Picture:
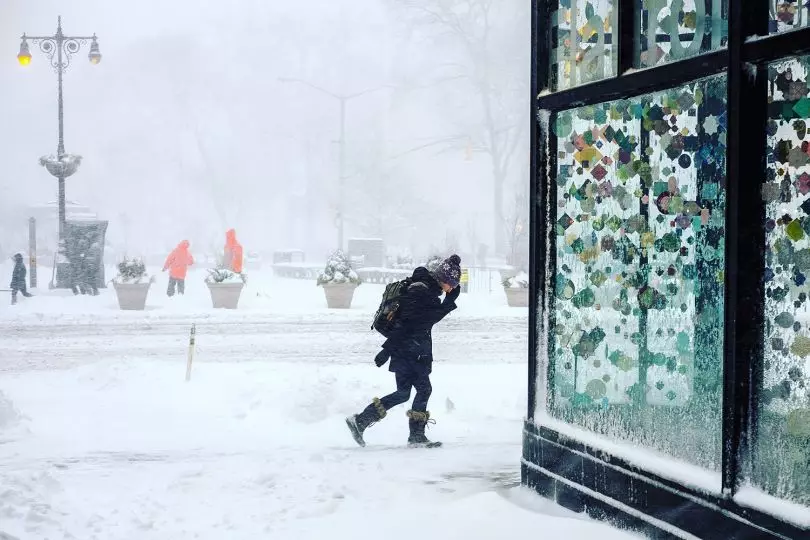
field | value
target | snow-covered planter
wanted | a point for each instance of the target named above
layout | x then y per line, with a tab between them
132	284
226	287
339	280
61	166
517	290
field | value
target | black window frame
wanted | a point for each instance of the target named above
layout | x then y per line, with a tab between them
749	51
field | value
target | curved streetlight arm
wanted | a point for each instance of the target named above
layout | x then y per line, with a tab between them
64	38
313	86
369	91
341	97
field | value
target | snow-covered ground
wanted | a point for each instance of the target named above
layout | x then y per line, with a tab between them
102	438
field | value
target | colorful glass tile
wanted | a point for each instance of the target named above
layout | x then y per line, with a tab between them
584	48
782	464
676	29
786	15
647	265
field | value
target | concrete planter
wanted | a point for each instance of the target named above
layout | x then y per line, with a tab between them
225	295
339	295
131	296
517	297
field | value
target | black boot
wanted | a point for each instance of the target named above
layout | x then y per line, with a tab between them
358	423
417	421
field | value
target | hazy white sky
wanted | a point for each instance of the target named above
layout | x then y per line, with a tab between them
186	130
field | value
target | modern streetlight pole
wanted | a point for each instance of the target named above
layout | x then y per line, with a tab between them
59	49
342	99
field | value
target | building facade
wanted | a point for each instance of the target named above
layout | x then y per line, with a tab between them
669	383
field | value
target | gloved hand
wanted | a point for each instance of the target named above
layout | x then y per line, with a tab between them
381	358
452	295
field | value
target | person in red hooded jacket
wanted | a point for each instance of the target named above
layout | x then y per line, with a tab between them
177	264
233	252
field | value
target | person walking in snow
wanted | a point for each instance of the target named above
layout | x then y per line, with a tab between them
18	276
177	264
410	348
84	269
233	252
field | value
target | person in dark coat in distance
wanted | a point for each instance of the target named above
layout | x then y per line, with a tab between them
410	348
82	267
18	279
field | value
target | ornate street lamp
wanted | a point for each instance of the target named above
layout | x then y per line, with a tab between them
25	54
59	49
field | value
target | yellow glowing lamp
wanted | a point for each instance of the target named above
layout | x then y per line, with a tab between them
95	55
24	58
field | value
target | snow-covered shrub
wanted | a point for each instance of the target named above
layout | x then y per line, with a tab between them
338	270
433	263
223	275
520	281
132	271
403	262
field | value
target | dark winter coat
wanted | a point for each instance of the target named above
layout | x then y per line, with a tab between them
19	273
411	342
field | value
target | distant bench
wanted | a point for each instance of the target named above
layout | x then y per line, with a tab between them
311	271
382	275
297	270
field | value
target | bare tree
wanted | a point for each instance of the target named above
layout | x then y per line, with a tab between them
516	230
383	202
488	55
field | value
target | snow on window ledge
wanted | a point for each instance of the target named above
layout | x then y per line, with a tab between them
764	502
698	478
674	531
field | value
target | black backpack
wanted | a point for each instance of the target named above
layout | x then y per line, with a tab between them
385	318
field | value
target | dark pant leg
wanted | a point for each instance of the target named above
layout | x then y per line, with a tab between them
170	290
181	286
13	296
423	391
403	393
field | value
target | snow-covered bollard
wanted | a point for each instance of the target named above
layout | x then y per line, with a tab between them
226	287
191	340
517	290
339	281
132	284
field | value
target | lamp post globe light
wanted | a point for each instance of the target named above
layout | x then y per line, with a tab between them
59	49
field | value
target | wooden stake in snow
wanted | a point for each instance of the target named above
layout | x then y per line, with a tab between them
190	351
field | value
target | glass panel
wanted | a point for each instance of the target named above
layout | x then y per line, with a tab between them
788	14
677	29
782	457
588	53
636	330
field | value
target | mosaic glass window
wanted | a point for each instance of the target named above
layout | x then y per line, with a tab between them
677	29
782	457
584	43
788	14
636	329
